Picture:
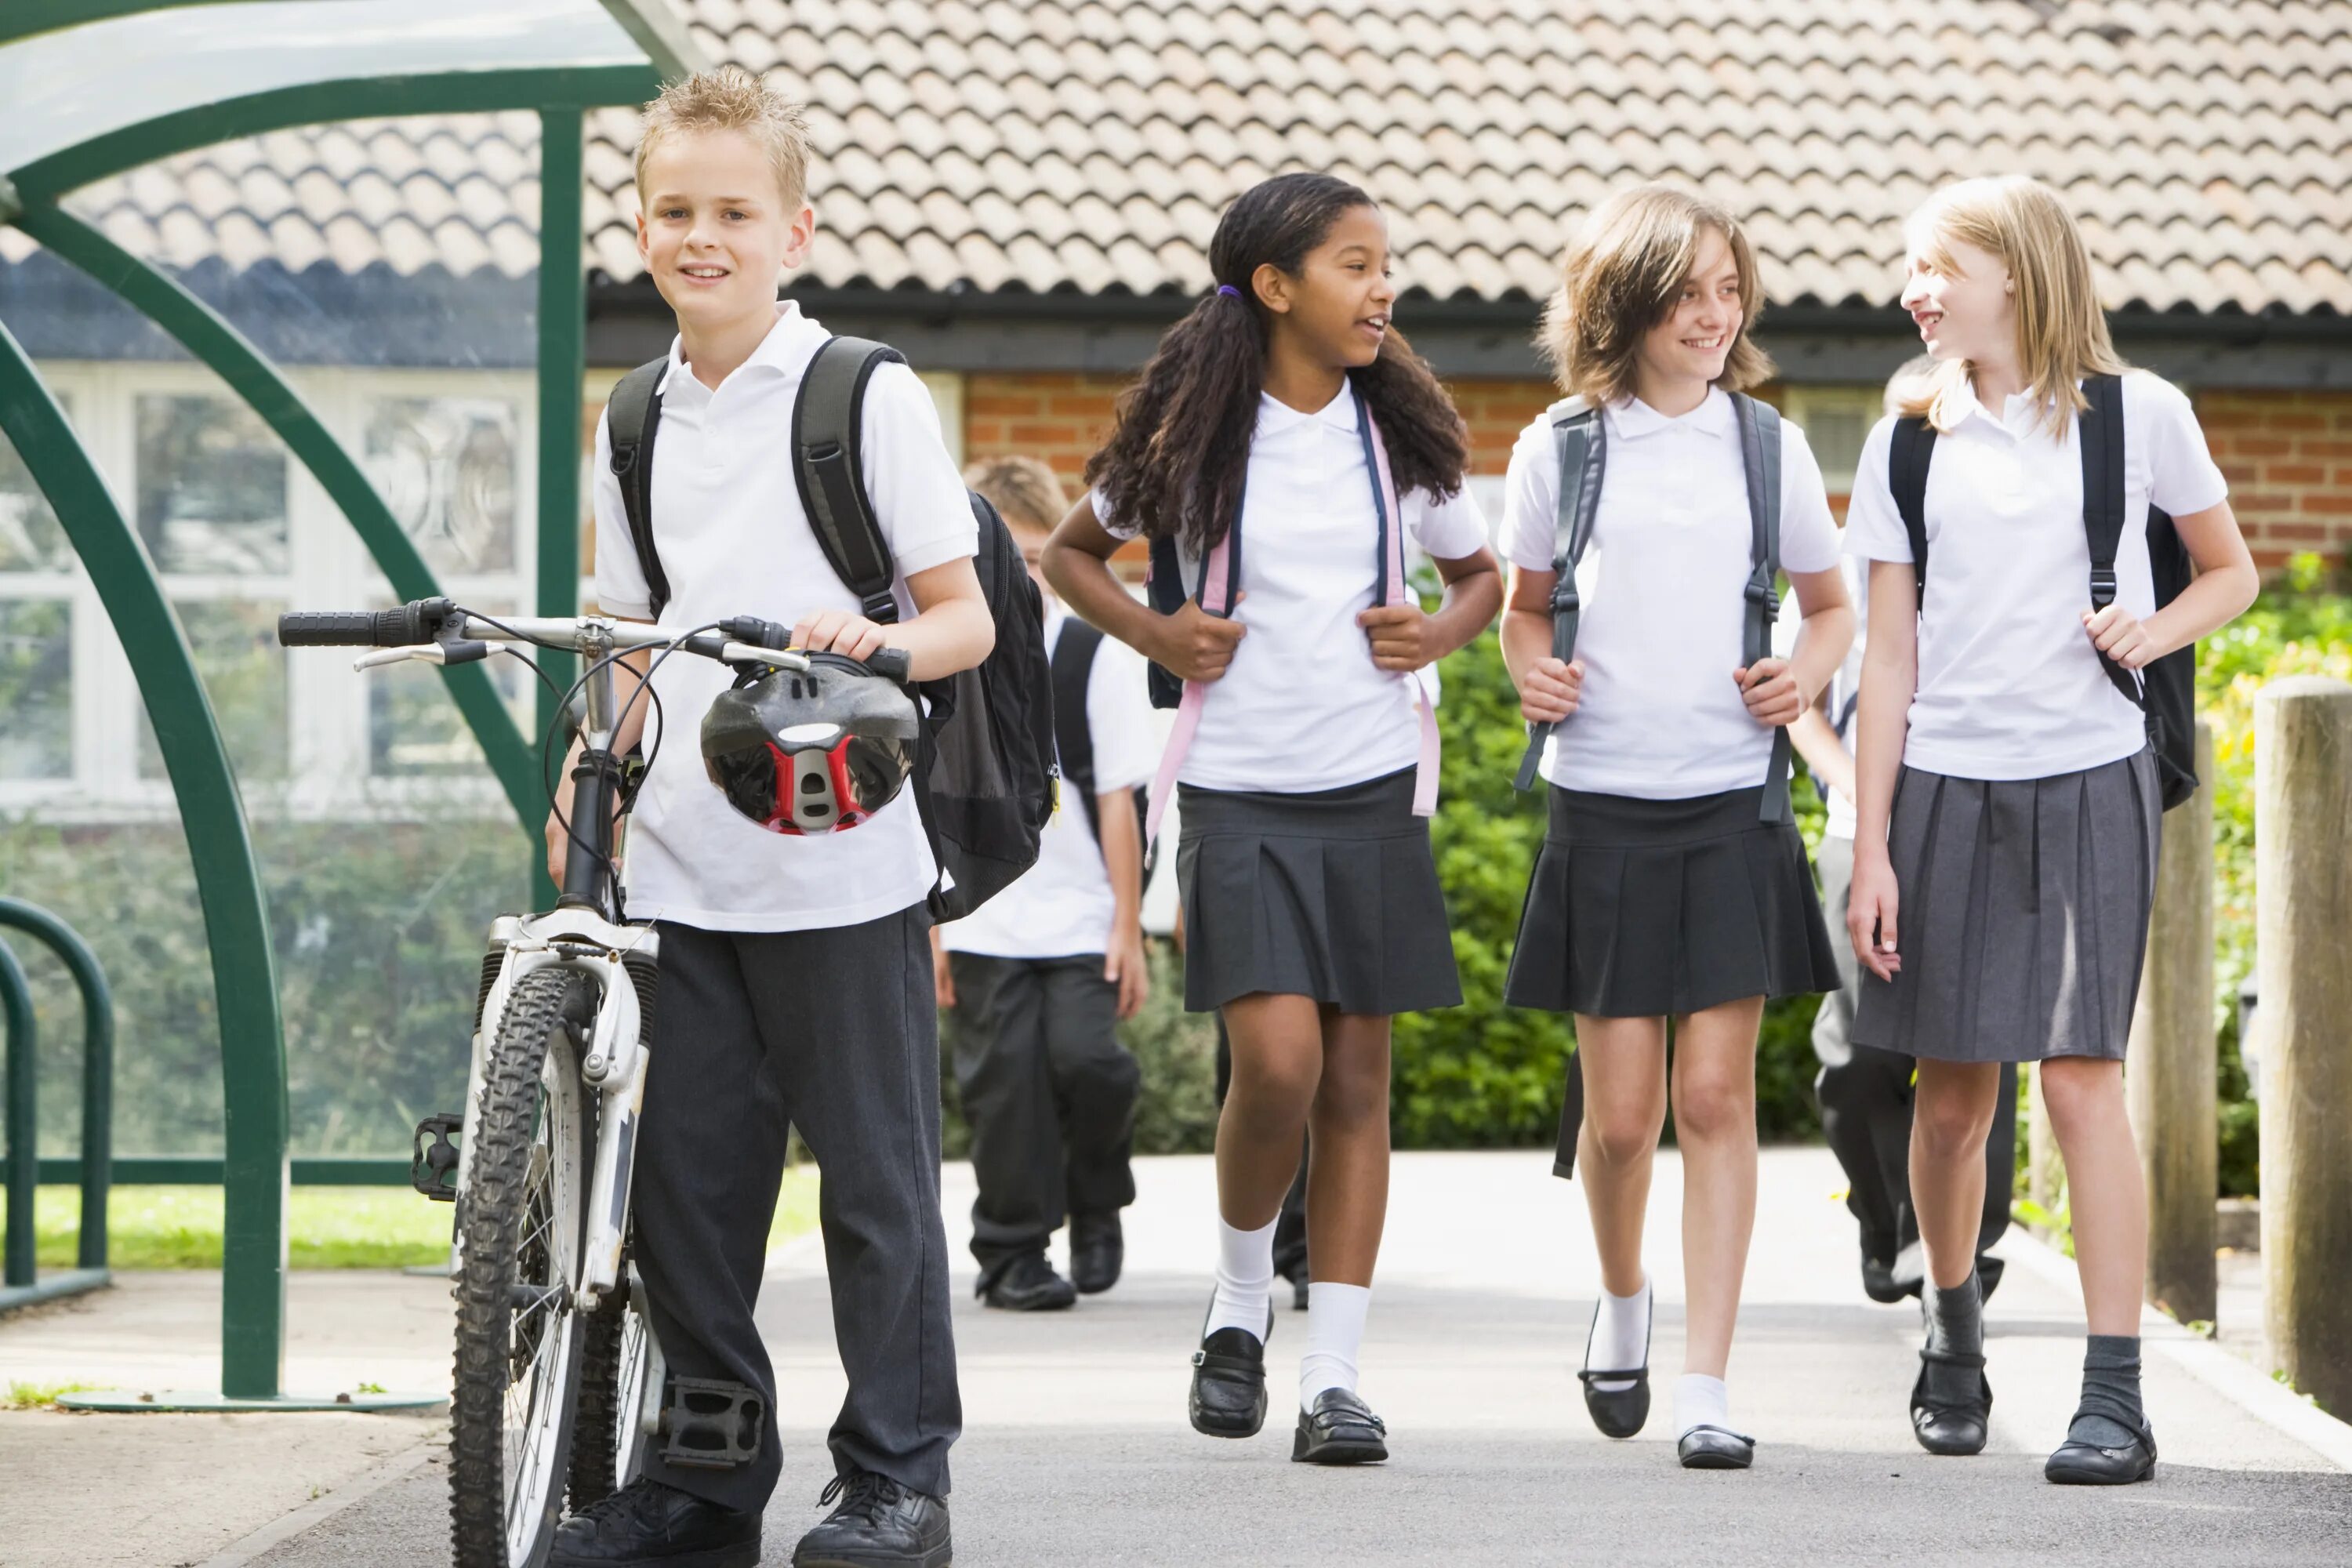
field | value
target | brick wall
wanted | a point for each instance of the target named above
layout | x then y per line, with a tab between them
2288	457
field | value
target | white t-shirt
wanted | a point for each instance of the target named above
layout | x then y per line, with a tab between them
1063	905
734	541
2010	684
1663	583
1845	686
1303	707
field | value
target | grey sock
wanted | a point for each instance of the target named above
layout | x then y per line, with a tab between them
1955	1316
2110	1415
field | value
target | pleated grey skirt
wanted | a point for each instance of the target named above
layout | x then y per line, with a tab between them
2022	914
1331	895
1646	909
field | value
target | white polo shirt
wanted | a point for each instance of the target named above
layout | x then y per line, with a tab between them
2010	684
1303	707
1063	905
734	541
1663	583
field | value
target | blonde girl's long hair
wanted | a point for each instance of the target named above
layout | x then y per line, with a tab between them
2061	332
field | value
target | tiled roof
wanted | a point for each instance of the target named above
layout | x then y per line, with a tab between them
1087	145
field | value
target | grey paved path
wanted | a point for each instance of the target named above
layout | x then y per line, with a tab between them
1076	1451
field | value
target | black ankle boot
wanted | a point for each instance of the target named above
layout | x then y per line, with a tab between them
647	1523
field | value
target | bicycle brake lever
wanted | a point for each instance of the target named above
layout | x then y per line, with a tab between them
463	651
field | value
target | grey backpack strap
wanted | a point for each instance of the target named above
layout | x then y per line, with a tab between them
829	469
1582	441
1760	455
632	415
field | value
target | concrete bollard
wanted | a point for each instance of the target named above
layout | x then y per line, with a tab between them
2168	1075
2303	918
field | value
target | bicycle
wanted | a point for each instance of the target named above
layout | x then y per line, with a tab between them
559	1388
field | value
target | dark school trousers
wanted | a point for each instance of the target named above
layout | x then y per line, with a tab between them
1290	1225
834	1032
1049	1093
1866	1100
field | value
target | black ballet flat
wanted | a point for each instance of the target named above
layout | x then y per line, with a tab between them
1228	1398
1716	1449
1618	1413
2088	1465
1340	1430
1945	1424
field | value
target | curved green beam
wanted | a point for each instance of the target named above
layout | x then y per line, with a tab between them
361	98
96	1067
204	334
228	883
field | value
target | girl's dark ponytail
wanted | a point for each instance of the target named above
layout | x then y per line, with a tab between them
1179	447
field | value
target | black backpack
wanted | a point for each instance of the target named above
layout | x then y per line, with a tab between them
1582	437
2165	691
1074	666
984	776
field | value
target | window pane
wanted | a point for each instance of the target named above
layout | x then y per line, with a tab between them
243	671
414	726
446	466
30	538
211	487
36	689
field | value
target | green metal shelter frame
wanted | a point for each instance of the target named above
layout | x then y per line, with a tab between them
185	74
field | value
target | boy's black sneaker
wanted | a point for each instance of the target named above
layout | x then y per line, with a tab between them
877	1523
1027	1284
647	1525
1097	1251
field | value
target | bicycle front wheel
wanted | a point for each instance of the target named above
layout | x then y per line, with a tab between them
522	1222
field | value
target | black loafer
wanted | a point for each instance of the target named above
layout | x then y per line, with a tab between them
1619	1412
1946	1415
1228	1398
1878	1281
1340	1430
647	1522
1097	1252
1716	1449
1027	1284
2089	1465
877	1523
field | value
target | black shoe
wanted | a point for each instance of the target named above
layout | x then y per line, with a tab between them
1340	1430
1097	1252
1951	1402
2089	1465
647	1525
1988	1272
1622	1412
878	1524
1715	1449
1878	1279
1228	1397
1298	1291
1027	1284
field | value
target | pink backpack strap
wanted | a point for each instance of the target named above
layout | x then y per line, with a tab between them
1424	700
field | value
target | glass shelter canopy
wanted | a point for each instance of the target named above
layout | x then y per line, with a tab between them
95	88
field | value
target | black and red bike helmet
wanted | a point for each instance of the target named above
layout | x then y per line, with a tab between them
811	752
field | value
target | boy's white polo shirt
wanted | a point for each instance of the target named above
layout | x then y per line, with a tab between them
734	541
1663	583
2010	686
1062	906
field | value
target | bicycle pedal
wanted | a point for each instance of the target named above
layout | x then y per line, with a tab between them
434	1171
712	1425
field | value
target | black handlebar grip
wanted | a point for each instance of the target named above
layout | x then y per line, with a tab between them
326	628
891	664
757	633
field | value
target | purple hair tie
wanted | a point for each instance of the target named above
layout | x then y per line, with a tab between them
1229	288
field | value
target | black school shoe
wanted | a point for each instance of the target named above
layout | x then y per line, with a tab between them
1027	1284
1228	1397
1878	1281
877	1523
2089	1465
1951	1403
1097	1251
1340	1430
1618	1413
1715	1449
647	1525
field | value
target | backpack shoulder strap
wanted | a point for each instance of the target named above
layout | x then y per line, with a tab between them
1907	457
829	469
1580	437
2100	432
1074	648
632	415
1759	456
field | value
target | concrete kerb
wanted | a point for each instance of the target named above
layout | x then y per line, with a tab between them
280	1531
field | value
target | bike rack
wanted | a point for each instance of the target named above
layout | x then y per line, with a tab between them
20	1284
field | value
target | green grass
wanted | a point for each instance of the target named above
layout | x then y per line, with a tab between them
40	1396
328	1228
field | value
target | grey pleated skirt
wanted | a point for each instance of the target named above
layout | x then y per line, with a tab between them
1646	909
2022	914
1331	895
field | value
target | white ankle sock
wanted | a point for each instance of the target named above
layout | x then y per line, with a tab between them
1335	1332
1244	1279
1700	1401
1621	1336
